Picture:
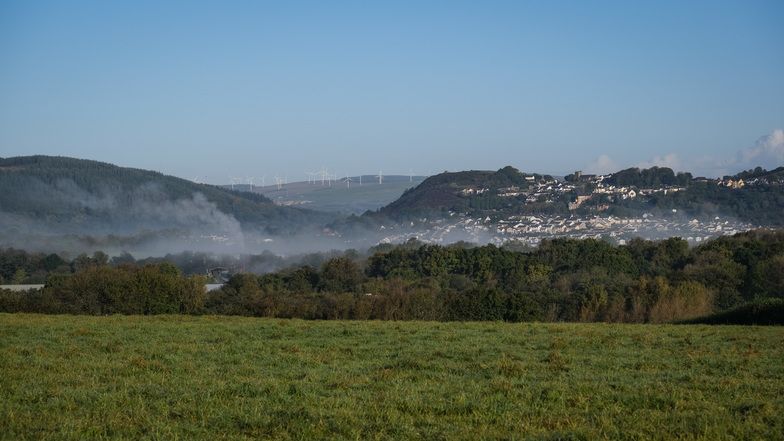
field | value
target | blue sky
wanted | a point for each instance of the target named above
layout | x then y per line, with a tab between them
213	89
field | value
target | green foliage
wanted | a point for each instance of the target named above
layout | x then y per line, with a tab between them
126	289
561	280
654	177
339	275
765	312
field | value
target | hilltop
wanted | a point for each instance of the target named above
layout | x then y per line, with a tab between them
755	196
465	191
46	197
509	205
360	194
58	203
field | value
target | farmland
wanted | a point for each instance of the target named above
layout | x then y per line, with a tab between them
165	377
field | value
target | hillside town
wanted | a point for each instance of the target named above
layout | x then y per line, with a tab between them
531	229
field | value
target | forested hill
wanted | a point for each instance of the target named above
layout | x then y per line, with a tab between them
755	196
462	191
83	196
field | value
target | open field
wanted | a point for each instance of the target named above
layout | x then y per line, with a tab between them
167	377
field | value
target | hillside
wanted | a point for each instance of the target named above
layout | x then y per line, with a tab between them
466	191
46	196
65	204
753	196
361	194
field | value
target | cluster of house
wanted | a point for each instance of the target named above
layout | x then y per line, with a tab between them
530	230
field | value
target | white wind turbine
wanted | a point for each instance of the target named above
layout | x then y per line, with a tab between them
410	175
278	181
231	181
348	181
196	180
250	182
324	175
380	177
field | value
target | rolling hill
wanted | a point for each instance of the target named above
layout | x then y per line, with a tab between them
50	198
358	196
59	203
755	196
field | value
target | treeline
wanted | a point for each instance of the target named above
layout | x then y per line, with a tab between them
100	289
561	280
654	177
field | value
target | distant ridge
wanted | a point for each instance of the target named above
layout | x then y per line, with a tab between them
46	199
62	196
755	196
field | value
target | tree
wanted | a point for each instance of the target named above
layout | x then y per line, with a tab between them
339	275
520	307
19	277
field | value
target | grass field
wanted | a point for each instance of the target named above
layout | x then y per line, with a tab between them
180	377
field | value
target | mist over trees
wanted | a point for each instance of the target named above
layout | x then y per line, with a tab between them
74	202
54	201
561	280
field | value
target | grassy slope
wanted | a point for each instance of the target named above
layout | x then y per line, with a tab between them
69	377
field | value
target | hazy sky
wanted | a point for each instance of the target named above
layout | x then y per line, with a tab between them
213	89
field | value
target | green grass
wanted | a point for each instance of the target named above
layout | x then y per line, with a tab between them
170	377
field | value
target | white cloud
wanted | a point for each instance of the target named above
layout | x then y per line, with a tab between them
603	165
670	160
767	152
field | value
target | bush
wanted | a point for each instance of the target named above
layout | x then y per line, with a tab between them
766	313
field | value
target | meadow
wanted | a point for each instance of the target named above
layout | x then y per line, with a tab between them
185	377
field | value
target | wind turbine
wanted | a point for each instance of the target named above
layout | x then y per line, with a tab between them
250	182
348	181
278	181
196	180
262	180
324	174
231	179
410	175
380	177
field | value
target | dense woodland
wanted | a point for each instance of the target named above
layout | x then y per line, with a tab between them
561	280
